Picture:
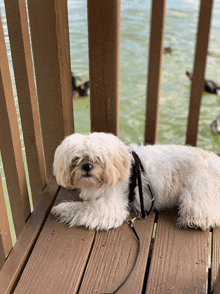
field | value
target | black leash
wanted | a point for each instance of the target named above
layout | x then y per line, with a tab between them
136	175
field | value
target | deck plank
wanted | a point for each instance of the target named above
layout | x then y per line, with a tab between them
19	255
59	257
180	258
113	256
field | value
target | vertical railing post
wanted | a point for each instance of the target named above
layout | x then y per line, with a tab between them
104	64
158	15
2	255
10	144
28	105
4	226
197	87
50	43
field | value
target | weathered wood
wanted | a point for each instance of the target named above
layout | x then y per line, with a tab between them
113	257
104	64
4	225
24	77
215	256
180	258
59	257
17	259
158	16
50	43
197	87
11	145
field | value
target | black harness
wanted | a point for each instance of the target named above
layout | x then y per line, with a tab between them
135	179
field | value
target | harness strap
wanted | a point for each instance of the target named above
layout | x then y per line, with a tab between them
138	166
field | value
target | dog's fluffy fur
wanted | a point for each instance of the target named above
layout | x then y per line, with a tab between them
99	165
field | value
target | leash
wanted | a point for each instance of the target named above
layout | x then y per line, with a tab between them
143	215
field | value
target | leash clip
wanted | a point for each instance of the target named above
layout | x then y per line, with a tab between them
131	221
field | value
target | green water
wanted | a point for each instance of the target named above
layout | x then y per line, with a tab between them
180	34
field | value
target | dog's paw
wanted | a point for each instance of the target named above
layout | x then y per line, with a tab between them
66	211
88	214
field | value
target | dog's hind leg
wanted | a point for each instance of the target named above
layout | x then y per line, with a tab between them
194	211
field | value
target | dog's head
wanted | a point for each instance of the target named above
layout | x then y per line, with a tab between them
91	162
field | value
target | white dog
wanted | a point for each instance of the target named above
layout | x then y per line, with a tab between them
100	165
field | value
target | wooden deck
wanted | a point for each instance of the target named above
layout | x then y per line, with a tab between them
50	258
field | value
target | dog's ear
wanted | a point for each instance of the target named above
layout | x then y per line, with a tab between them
60	169
117	165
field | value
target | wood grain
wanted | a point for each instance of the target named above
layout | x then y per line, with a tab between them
104	64
50	43
197	87
113	256
18	257
180	258
28	105
10	144
59	257
158	16
4	224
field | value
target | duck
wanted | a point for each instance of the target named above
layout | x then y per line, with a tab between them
215	126
209	86
167	50
81	90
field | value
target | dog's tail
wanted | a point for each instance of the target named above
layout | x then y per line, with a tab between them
216	286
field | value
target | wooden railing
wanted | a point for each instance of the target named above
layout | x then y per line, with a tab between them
47	114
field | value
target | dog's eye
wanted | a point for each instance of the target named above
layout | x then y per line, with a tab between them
98	160
76	159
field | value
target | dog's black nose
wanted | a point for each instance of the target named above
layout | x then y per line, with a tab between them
87	167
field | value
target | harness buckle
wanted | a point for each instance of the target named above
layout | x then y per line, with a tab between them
141	217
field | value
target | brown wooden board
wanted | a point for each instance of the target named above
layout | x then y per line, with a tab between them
59	257
180	258
158	14
113	257
50	44
18	257
215	255
197	87
2	254
24	77
4	225
104	64
10	144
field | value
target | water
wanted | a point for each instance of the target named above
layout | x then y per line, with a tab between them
180	34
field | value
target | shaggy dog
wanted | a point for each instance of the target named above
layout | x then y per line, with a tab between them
100	165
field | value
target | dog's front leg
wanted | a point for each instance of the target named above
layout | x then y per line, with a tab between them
94	214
